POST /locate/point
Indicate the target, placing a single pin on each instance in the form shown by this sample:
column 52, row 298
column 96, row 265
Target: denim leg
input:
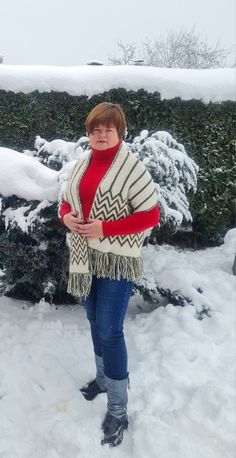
column 90, row 304
column 112, row 301
column 100, row 378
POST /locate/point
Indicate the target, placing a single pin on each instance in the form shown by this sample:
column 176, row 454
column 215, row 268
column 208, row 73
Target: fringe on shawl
column 105, row 265
column 114, row 266
column 79, row 284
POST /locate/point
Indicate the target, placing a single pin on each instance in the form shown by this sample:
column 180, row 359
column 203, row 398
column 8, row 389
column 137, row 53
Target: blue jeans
column 106, row 307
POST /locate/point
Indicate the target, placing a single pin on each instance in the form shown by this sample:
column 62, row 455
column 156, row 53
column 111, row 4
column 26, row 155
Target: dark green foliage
column 206, row 130
column 35, row 263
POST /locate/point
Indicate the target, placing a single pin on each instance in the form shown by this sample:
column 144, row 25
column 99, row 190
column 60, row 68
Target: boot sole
column 116, row 438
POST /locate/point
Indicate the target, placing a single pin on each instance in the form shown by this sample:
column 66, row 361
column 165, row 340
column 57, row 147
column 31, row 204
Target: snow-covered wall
column 214, row 85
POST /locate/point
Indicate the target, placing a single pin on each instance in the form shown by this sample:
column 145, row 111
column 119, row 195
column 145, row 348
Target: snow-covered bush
column 57, row 153
column 33, row 250
column 34, row 253
column 173, row 171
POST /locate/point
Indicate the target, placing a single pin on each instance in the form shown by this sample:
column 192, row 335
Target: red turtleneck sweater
column 98, row 166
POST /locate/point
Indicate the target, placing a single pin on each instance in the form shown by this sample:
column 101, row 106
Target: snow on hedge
column 25, row 177
column 209, row 84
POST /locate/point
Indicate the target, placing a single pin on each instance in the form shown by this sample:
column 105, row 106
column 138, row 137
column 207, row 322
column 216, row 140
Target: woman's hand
column 92, row 229
column 71, row 221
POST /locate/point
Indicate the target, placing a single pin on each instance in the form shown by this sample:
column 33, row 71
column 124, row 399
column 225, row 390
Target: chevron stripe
column 130, row 240
column 129, row 174
column 138, row 179
column 108, row 209
column 78, row 249
column 120, row 169
column 145, row 200
column 141, row 190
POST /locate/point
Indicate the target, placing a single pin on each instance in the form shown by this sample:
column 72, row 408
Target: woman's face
column 104, row 137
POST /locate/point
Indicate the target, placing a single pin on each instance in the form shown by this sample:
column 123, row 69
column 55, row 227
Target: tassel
column 79, row 284
column 115, row 267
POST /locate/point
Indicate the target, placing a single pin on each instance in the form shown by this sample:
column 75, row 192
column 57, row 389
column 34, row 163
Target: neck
column 105, row 154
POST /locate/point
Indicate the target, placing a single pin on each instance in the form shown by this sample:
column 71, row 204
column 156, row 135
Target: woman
column 109, row 202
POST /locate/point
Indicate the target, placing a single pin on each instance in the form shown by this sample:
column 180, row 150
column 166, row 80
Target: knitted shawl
column 127, row 187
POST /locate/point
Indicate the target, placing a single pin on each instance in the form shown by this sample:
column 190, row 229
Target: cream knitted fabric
column 127, row 187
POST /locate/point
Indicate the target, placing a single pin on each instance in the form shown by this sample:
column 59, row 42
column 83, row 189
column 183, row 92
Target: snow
column 18, row 217
column 208, row 85
column 57, row 148
column 191, row 277
column 182, row 370
column 25, row 177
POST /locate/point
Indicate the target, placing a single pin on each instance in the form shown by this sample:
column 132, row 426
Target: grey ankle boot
column 117, row 397
column 100, row 378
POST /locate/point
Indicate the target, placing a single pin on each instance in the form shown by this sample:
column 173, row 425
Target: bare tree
column 128, row 51
column 183, row 49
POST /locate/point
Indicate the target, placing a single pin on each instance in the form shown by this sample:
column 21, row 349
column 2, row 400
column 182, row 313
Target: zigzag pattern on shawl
column 112, row 209
column 131, row 239
column 78, row 249
column 107, row 208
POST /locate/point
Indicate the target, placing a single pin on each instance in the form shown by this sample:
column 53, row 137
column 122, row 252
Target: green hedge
column 206, row 130
column 35, row 263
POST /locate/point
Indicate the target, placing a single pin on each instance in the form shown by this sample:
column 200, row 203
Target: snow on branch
column 173, row 171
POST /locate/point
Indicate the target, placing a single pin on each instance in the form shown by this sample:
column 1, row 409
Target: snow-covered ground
column 213, row 85
column 181, row 402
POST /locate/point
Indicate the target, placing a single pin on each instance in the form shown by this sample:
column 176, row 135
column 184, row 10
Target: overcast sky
column 73, row 32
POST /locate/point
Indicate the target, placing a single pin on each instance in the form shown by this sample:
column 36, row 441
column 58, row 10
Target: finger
column 87, row 224
column 81, row 227
column 79, row 232
column 76, row 228
column 83, row 231
column 73, row 222
column 77, row 220
column 91, row 220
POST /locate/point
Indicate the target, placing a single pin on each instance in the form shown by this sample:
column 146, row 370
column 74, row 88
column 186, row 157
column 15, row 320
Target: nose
column 102, row 133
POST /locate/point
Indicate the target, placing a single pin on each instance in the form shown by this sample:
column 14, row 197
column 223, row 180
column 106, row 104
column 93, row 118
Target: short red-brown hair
column 107, row 113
